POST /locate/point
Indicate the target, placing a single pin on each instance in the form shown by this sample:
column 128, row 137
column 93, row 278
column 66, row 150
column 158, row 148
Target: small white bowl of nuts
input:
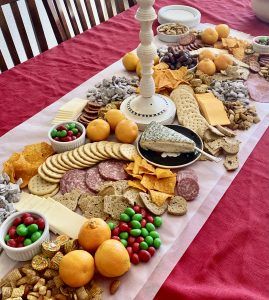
column 172, row 32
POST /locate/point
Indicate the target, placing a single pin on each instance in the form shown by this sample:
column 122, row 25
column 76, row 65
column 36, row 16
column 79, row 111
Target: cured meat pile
column 90, row 180
column 187, row 184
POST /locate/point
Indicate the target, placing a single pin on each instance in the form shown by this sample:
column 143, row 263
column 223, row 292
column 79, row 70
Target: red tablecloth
column 229, row 258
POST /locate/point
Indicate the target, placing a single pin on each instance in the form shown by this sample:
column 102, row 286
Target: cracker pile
column 40, row 279
column 188, row 113
column 53, row 169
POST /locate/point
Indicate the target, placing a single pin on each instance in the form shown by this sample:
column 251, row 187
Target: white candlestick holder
column 147, row 106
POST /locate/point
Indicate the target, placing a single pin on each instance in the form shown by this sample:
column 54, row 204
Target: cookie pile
column 89, row 113
column 55, row 166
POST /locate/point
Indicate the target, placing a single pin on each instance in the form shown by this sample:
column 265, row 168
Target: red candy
column 61, row 127
column 143, row 223
column 135, row 247
column 136, row 208
column 70, row 133
column 151, row 250
column 139, row 239
column 12, row 232
column 26, row 215
column 28, row 221
column 20, row 239
column 11, row 243
column 135, row 259
column 144, row 255
column 143, row 212
column 116, row 231
column 131, row 240
column 129, row 250
column 124, row 227
column 40, row 223
column 115, row 237
column 150, row 219
column 17, row 221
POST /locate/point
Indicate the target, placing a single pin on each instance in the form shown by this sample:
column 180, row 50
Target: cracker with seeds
column 132, row 196
column 177, row 206
column 70, row 200
column 115, row 205
column 152, row 207
column 92, row 206
column 128, row 151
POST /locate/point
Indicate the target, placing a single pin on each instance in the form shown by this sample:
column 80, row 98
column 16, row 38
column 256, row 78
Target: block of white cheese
column 159, row 138
column 61, row 219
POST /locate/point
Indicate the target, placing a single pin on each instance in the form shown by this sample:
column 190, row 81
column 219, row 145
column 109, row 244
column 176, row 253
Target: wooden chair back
column 36, row 25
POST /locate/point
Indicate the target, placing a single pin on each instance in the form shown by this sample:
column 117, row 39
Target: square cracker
column 70, row 200
column 92, row 206
column 115, row 205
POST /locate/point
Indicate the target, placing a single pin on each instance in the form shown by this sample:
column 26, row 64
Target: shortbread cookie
column 177, row 206
column 38, row 186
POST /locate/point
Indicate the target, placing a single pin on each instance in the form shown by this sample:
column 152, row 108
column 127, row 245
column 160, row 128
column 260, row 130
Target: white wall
column 45, row 24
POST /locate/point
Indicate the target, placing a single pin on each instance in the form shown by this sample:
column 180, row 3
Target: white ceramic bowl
column 66, row 146
column 28, row 252
column 182, row 14
column 262, row 49
column 168, row 38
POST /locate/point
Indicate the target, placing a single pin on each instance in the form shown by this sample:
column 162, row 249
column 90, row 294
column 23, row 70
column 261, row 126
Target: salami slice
column 188, row 188
column 94, row 181
column 112, row 170
column 187, row 174
column 73, row 179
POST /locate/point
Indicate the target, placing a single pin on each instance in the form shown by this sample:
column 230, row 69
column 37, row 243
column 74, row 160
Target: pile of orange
column 126, row 131
column 211, row 35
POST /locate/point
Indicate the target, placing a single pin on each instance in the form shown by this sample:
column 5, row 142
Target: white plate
column 183, row 14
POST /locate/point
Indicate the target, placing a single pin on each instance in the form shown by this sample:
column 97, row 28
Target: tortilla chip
column 137, row 163
column 238, row 53
column 129, row 167
column 136, row 184
column 161, row 66
column 166, row 185
column 158, row 198
column 147, row 168
column 148, row 181
column 164, row 173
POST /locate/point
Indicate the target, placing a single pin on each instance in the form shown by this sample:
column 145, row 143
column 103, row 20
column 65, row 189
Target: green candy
column 157, row 243
column 135, row 224
column 27, row 242
column 150, row 227
column 154, row 234
column 53, row 133
column 35, row 236
column 144, row 232
column 71, row 125
column 158, row 221
column 111, row 225
column 135, row 232
column 124, row 243
column 149, row 240
column 125, row 218
column 22, row 230
column 75, row 131
column 7, row 238
column 129, row 211
column 143, row 246
column 32, row 229
column 58, row 133
column 137, row 217
column 124, row 235
column 63, row 133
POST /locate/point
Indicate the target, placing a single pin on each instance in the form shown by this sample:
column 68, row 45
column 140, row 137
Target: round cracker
column 128, row 151
column 55, row 163
column 38, row 186
column 52, row 193
column 81, row 160
column 45, row 177
column 61, row 162
column 51, row 167
column 73, row 160
column 116, row 150
column 94, row 150
column 50, row 173
column 66, row 160
column 101, row 148
column 85, row 153
column 109, row 151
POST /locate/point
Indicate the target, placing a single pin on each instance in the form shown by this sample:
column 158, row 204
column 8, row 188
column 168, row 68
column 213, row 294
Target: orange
column 222, row 62
column 130, row 61
column 113, row 117
column 207, row 66
column 126, row 131
column 209, row 36
column 223, row 30
column 76, row 268
column 98, row 130
column 93, row 233
column 206, row 54
column 112, row 259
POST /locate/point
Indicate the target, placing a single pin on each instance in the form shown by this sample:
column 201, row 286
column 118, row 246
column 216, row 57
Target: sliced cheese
column 61, row 219
column 212, row 109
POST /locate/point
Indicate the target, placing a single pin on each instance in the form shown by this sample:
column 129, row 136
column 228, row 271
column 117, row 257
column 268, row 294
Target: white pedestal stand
column 148, row 106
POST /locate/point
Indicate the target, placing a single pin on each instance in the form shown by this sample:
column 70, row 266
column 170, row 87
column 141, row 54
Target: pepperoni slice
column 112, row 170
column 94, row 181
column 188, row 188
column 73, row 179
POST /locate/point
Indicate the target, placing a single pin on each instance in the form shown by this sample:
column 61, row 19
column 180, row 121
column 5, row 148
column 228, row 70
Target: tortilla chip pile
column 24, row 165
column 235, row 46
column 160, row 183
column 166, row 80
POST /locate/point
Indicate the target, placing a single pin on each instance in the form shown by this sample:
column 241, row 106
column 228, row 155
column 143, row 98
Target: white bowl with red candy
column 22, row 234
column 67, row 136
